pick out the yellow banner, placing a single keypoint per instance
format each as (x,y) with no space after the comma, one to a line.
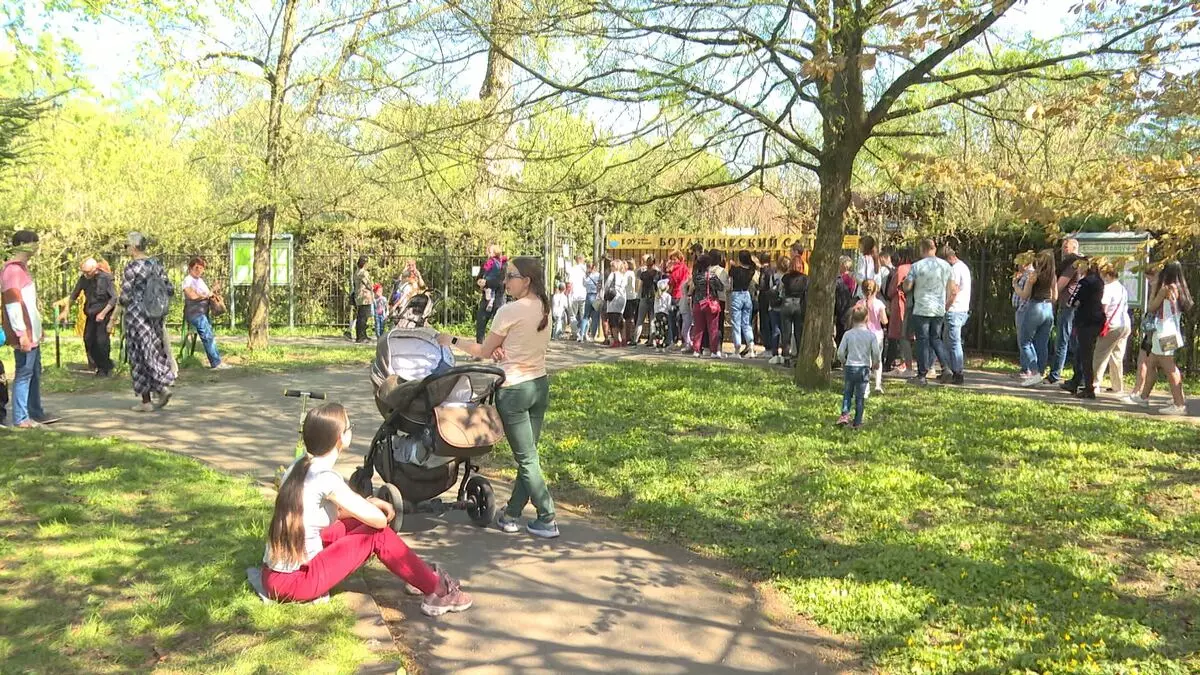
(720,242)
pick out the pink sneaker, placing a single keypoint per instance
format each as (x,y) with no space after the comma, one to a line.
(844,420)
(450,597)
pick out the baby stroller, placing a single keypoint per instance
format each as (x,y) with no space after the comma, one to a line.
(438,418)
(416,311)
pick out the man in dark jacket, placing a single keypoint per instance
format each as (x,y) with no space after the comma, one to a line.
(99,298)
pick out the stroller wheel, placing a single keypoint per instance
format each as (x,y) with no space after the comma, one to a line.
(481,501)
(391,494)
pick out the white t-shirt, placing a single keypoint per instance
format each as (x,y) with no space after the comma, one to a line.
(630,284)
(196,284)
(617,283)
(319,511)
(558,304)
(1116,304)
(865,269)
(662,304)
(961,275)
(929,277)
(575,275)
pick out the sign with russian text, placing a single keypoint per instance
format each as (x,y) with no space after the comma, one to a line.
(769,242)
(1127,245)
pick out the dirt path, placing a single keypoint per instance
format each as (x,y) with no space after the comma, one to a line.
(595,601)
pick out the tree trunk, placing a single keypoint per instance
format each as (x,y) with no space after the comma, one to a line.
(816,343)
(495,97)
(260,286)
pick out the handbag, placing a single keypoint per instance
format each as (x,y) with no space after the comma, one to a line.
(216,305)
(709,303)
(1108,321)
(1168,336)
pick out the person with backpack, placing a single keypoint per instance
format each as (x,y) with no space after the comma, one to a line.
(146,296)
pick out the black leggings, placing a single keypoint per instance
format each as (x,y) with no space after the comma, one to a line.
(1085,355)
(791,324)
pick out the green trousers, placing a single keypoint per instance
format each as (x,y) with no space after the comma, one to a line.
(522,409)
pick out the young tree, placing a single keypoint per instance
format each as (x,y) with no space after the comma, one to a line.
(805,84)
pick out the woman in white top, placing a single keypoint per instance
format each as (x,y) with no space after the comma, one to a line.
(322,531)
(616,286)
(867,266)
(518,339)
(1170,300)
(1110,346)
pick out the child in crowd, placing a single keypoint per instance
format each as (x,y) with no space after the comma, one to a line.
(558,308)
(662,314)
(859,354)
(379,307)
(877,321)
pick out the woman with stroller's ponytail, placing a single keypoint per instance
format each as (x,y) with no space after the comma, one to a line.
(322,531)
(518,340)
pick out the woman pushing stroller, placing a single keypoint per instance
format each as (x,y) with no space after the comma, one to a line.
(322,531)
(518,339)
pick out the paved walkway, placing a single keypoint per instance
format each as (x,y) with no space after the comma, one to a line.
(595,601)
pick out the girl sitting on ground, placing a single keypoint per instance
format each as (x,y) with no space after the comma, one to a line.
(323,531)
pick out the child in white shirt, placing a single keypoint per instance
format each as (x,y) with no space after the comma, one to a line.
(558,309)
(662,314)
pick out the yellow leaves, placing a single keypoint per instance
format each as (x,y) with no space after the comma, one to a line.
(1034,112)
(866,62)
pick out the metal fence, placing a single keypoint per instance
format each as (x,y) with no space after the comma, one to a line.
(320,295)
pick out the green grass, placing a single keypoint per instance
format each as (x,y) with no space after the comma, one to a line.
(955,533)
(115,558)
(277,358)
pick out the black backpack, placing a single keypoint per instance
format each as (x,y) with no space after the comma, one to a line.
(156,295)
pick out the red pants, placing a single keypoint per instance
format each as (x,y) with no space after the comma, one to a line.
(348,544)
(705,321)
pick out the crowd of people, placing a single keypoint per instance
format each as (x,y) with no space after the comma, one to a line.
(914,302)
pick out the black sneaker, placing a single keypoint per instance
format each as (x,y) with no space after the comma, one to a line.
(958,379)
(1052,380)
(1068,386)
(1086,393)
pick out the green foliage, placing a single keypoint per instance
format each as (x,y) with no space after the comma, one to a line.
(117,558)
(955,533)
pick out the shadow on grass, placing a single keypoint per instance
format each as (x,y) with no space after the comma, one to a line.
(130,558)
(956,532)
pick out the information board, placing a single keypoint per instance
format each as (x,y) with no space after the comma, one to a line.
(241,260)
(722,242)
(1130,246)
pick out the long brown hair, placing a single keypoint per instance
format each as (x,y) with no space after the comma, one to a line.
(870,249)
(322,430)
(1044,266)
(531,269)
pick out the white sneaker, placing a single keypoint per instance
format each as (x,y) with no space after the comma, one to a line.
(775,360)
(1031,381)
(1173,410)
(1134,399)
(717,355)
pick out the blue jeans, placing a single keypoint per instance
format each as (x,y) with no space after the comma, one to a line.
(929,342)
(27,386)
(205,331)
(1064,341)
(741,310)
(591,317)
(854,387)
(380,320)
(954,325)
(768,326)
(1036,323)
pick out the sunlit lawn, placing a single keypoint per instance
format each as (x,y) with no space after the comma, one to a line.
(955,533)
(115,558)
(277,358)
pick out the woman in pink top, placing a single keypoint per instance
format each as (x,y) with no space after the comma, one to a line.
(877,321)
(518,339)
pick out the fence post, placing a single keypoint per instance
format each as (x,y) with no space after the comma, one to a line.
(445,281)
(981,286)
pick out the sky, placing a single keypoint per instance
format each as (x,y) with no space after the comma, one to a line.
(110,49)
